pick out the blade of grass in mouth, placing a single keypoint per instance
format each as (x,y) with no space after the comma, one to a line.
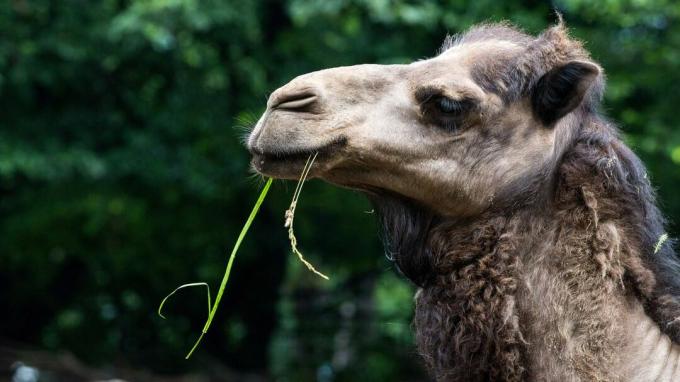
(290,216)
(212,309)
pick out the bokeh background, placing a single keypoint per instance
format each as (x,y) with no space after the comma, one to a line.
(123,175)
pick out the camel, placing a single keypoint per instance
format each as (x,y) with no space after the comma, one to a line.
(530,229)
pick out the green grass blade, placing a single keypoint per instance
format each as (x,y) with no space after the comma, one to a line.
(207,287)
(227,272)
(213,308)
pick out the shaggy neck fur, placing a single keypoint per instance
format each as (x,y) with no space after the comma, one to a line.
(549,293)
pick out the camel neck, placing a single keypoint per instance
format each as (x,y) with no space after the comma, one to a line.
(467,322)
(543,298)
(530,294)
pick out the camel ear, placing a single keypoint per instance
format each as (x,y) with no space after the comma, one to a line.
(562,89)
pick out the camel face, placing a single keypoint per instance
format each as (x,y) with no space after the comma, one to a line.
(427,131)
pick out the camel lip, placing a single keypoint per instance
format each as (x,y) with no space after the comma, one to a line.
(286,163)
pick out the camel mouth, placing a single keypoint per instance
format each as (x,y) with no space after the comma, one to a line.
(287,164)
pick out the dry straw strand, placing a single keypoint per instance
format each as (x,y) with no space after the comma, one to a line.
(662,239)
(290,216)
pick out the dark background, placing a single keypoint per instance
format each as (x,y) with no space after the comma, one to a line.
(123,175)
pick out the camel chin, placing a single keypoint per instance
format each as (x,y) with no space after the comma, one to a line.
(277,168)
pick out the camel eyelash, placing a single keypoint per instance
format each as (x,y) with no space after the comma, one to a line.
(433,98)
(424,95)
(428,94)
(451,126)
(447,113)
(450,106)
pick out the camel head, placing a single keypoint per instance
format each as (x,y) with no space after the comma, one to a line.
(457,133)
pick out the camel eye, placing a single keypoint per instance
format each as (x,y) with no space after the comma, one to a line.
(448,106)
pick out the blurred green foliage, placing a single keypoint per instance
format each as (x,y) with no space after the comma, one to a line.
(123,175)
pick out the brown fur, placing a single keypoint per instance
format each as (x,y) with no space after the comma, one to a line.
(580,245)
(514,291)
(468,315)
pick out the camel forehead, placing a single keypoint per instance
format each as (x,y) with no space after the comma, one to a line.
(463,57)
(454,66)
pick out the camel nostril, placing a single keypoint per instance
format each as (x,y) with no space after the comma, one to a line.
(294,101)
